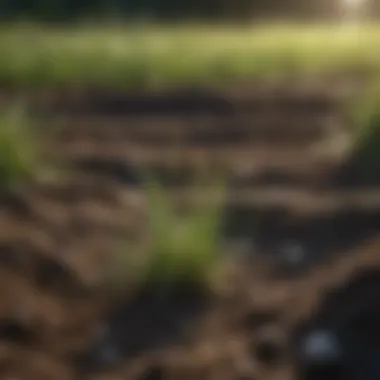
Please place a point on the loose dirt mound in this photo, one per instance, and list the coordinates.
(282, 148)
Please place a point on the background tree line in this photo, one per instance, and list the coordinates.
(67, 10)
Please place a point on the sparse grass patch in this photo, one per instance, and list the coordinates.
(179, 248)
(366, 147)
(21, 159)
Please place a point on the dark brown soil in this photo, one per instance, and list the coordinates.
(307, 224)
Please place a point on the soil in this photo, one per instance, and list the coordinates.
(301, 227)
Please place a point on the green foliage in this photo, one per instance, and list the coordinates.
(183, 247)
(20, 159)
(178, 248)
(366, 149)
(159, 56)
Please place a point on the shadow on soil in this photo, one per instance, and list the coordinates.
(342, 339)
(296, 244)
(150, 320)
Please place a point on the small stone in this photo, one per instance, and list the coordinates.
(293, 253)
(321, 347)
(100, 357)
(109, 354)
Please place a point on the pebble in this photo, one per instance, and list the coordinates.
(321, 347)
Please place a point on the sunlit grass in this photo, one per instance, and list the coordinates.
(178, 248)
(21, 158)
(366, 134)
(146, 55)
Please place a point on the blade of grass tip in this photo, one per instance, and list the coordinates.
(158, 205)
(203, 229)
(176, 259)
(195, 255)
(160, 211)
(18, 146)
(162, 225)
(367, 114)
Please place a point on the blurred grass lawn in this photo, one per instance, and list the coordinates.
(150, 56)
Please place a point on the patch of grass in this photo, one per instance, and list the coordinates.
(179, 248)
(159, 56)
(21, 158)
(366, 147)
